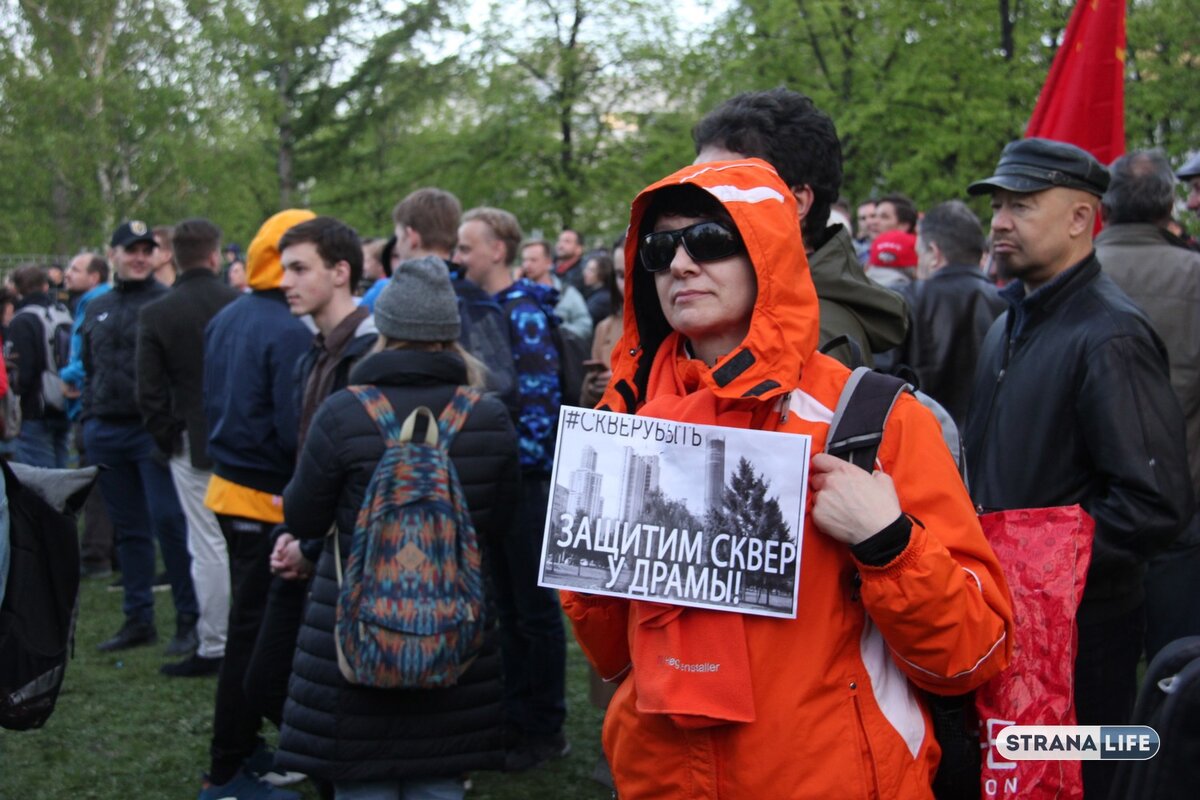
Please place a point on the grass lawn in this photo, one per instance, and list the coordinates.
(121, 730)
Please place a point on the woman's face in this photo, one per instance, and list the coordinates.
(708, 302)
(591, 273)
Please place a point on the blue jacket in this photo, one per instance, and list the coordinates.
(251, 348)
(74, 373)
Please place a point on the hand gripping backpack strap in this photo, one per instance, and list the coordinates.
(861, 415)
(854, 435)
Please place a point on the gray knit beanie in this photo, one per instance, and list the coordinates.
(418, 303)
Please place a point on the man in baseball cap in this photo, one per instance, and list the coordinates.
(137, 488)
(132, 232)
(1189, 173)
(1085, 413)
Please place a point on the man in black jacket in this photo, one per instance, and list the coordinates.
(1072, 404)
(44, 425)
(170, 387)
(951, 309)
(136, 485)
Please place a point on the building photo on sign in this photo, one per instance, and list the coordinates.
(693, 515)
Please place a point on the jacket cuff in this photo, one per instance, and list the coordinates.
(883, 547)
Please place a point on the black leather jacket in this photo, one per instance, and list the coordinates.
(1072, 404)
(950, 313)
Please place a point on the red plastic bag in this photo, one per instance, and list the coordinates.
(1044, 553)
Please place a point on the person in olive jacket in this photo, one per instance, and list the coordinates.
(390, 743)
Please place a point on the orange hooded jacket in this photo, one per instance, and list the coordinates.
(831, 693)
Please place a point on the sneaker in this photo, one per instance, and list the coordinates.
(161, 584)
(244, 786)
(132, 634)
(533, 751)
(261, 764)
(194, 666)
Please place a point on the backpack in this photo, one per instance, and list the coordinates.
(410, 606)
(56, 334)
(485, 335)
(37, 617)
(854, 435)
(1169, 702)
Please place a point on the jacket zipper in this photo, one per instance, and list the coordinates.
(873, 784)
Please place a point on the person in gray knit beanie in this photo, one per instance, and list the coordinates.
(418, 304)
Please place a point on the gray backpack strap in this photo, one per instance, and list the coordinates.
(861, 414)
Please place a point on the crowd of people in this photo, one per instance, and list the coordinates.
(1061, 367)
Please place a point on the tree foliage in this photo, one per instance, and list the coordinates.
(558, 110)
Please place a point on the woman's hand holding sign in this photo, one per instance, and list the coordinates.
(850, 504)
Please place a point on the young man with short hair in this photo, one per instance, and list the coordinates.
(86, 278)
(537, 266)
(322, 263)
(533, 641)
(137, 487)
(427, 225)
(45, 428)
(170, 391)
(568, 262)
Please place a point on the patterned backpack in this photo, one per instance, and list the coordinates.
(410, 607)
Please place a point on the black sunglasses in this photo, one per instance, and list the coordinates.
(705, 241)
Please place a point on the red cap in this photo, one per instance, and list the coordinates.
(894, 249)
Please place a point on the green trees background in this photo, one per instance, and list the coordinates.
(559, 110)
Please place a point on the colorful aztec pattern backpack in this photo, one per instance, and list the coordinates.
(410, 606)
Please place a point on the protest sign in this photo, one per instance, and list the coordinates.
(678, 513)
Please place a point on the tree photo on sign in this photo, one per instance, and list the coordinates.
(747, 512)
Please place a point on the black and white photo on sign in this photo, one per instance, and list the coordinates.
(674, 512)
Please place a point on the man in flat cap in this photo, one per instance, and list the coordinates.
(1072, 404)
(1189, 173)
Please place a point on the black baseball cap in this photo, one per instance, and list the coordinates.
(1033, 165)
(1190, 168)
(132, 231)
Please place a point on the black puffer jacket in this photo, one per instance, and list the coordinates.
(340, 732)
(1072, 405)
(109, 332)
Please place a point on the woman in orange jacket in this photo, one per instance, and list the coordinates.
(898, 590)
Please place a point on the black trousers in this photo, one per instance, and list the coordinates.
(271, 664)
(237, 718)
(1110, 646)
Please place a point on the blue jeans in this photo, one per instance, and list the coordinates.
(425, 789)
(533, 642)
(141, 501)
(43, 442)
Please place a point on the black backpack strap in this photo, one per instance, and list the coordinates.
(857, 359)
(861, 414)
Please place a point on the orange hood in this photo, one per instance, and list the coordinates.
(263, 268)
(784, 325)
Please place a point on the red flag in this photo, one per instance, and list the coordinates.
(1083, 101)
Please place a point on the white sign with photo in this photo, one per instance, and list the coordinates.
(678, 513)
